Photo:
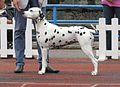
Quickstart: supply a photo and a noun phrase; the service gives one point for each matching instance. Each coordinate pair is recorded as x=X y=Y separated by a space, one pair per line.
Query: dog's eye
x=31 y=10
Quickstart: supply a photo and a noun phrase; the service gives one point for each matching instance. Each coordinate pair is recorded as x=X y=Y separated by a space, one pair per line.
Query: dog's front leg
x=44 y=61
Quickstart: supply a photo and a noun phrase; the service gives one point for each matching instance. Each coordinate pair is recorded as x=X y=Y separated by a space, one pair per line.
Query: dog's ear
x=41 y=15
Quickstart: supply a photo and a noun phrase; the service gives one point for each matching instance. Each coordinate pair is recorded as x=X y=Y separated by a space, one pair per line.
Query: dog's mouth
x=28 y=16
x=24 y=15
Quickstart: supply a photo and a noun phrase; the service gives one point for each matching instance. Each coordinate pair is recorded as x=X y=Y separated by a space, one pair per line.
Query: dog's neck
x=39 y=23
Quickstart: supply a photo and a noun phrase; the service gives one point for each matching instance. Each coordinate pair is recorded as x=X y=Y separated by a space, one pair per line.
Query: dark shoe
x=50 y=70
x=19 y=69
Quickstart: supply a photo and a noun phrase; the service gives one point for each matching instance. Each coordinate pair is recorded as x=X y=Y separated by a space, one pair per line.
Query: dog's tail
x=93 y=26
x=93 y=30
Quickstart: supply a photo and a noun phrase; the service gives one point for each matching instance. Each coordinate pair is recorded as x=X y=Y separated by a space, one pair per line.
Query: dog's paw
x=94 y=73
x=100 y=59
x=41 y=72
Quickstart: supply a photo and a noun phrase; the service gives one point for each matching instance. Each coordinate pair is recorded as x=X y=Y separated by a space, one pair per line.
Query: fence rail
x=55 y=6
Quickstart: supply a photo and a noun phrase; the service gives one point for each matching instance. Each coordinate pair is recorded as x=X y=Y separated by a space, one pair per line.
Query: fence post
x=13 y=38
x=28 y=43
x=115 y=29
x=102 y=39
x=3 y=37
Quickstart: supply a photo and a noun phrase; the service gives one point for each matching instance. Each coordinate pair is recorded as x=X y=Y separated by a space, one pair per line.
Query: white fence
x=102 y=27
x=3 y=39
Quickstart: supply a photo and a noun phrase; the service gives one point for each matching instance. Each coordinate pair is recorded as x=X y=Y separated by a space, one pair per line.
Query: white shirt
x=43 y=3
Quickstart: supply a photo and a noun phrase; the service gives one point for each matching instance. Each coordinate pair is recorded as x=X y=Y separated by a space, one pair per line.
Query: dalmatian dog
x=50 y=36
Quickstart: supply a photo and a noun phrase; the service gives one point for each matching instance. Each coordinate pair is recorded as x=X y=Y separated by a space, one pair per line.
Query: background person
x=111 y=9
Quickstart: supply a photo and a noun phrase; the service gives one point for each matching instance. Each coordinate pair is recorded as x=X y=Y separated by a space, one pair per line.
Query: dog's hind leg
x=85 y=42
x=87 y=49
x=44 y=61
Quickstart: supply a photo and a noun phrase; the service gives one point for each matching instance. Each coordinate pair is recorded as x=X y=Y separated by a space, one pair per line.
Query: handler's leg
x=19 y=40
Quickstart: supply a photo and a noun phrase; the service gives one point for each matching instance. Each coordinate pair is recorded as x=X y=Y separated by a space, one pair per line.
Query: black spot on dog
x=46 y=40
x=84 y=32
x=38 y=36
x=54 y=30
x=63 y=34
x=57 y=32
x=77 y=32
x=45 y=33
x=52 y=37
x=74 y=39
x=53 y=43
x=60 y=41
x=66 y=41
x=60 y=28
x=80 y=34
x=90 y=38
x=45 y=23
x=69 y=32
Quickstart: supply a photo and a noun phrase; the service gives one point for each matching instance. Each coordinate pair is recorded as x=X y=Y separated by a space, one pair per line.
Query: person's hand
x=2 y=4
x=16 y=4
x=110 y=0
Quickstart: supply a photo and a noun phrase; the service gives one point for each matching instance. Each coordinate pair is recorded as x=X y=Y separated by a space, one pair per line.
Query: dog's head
x=34 y=13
